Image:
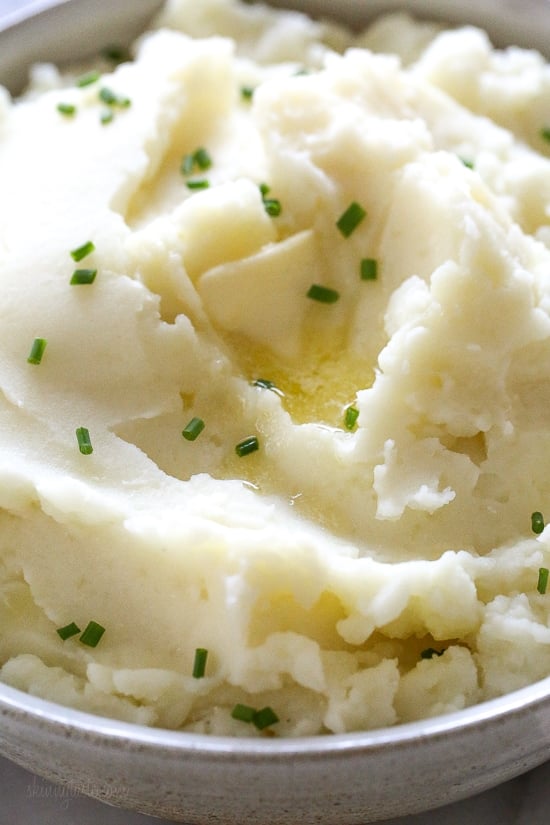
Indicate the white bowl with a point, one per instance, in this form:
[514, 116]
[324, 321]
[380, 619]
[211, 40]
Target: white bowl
[343, 779]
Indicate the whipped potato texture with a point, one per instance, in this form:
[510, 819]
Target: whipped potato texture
[275, 375]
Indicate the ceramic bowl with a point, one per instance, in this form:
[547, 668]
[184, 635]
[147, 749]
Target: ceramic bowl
[334, 780]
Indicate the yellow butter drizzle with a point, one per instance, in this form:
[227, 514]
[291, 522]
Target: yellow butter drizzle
[314, 388]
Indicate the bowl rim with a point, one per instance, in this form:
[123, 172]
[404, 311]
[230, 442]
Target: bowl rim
[34, 8]
[28, 708]
[31, 9]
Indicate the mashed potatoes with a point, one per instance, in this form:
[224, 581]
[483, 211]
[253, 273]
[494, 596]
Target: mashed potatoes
[269, 461]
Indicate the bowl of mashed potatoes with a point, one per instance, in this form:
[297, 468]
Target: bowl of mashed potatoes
[275, 399]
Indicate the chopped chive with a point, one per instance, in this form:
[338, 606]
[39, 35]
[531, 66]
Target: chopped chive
[323, 294]
[350, 219]
[67, 109]
[247, 93]
[202, 158]
[537, 522]
[542, 583]
[110, 98]
[261, 719]
[69, 630]
[187, 164]
[265, 384]
[272, 207]
[37, 351]
[107, 96]
[82, 251]
[92, 634]
[545, 133]
[84, 442]
[244, 713]
[199, 159]
[193, 429]
[430, 652]
[350, 417]
[469, 164]
[249, 445]
[200, 183]
[199, 664]
[106, 117]
[116, 54]
[83, 276]
[264, 718]
[369, 269]
[88, 78]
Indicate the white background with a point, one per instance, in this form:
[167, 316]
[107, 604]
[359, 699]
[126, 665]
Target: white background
[30, 800]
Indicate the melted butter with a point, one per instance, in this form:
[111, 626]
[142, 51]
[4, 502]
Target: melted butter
[314, 388]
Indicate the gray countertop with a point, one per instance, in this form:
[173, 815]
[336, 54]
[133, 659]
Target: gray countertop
[28, 800]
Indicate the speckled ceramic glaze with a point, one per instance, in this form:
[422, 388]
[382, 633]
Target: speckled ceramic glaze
[348, 779]
[333, 780]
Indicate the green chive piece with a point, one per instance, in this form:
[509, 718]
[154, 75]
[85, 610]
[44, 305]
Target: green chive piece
[199, 159]
[69, 630]
[323, 294]
[116, 54]
[106, 117]
[265, 384]
[261, 719]
[88, 78]
[542, 583]
[350, 219]
[244, 713]
[83, 276]
[84, 442]
[350, 417]
[107, 96]
[369, 269]
[92, 634]
[201, 183]
[430, 652]
[110, 98]
[247, 93]
[187, 164]
[202, 158]
[264, 718]
[67, 109]
[199, 664]
[37, 351]
[469, 164]
[193, 429]
[273, 207]
[249, 445]
[537, 522]
[545, 133]
[82, 251]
